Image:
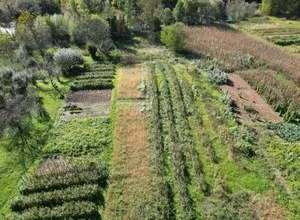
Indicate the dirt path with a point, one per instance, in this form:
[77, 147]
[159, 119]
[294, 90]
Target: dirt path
[250, 107]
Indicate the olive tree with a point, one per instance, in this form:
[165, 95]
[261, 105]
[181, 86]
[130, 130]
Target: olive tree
[68, 58]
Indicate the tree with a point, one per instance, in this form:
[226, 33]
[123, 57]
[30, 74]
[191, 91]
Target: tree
[33, 33]
[18, 102]
[174, 37]
[7, 45]
[59, 29]
[93, 29]
[68, 58]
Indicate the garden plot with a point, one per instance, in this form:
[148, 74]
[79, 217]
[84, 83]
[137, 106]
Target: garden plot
[249, 106]
[87, 103]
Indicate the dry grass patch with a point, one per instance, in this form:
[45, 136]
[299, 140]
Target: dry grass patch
[130, 194]
[129, 80]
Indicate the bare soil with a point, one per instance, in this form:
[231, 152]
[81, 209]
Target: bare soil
[247, 98]
[91, 103]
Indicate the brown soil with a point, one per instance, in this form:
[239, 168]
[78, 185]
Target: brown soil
[245, 97]
[89, 103]
[90, 96]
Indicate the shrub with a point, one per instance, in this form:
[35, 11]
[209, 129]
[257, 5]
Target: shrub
[92, 48]
[217, 76]
[68, 58]
[167, 17]
[173, 37]
[286, 131]
[240, 9]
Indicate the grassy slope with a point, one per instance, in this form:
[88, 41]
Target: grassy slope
[11, 168]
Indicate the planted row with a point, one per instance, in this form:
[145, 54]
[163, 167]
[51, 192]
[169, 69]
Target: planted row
[71, 210]
[176, 149]
[57, 197]
[283, 96]
[46, 183]
[92, 84]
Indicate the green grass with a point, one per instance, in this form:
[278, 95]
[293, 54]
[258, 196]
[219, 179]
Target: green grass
[11, 164]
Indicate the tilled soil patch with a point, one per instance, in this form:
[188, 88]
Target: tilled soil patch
[250, 107]
[87, 103]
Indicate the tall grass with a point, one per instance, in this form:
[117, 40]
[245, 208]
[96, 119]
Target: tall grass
[283, 96]
[228, 45]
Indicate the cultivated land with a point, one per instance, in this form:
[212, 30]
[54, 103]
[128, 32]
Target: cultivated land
[209, 133]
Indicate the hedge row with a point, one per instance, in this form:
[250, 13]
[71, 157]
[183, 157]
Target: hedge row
[92, 84]
[96, 76]
[57, 197]
[71, 210]
[49, 182]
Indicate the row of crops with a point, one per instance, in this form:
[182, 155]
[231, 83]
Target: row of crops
[175, 114]
[97, 76]
[64, 190]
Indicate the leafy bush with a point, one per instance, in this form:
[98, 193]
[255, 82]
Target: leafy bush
[92, 48]
[286, 131]
[173, 36]
[217, 76]
[240, 9]
[57, 197]
[71, 210]
[68, 58]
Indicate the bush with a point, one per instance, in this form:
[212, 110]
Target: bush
[68, 58]
[240, 9]
[217, 76]
[57, 197]
[173, 36]
[286, 131]
[92, 48]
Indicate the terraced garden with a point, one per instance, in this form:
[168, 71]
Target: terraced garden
[99, 120]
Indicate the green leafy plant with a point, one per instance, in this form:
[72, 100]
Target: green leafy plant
[286, 131]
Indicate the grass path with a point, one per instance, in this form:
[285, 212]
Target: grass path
[131, 194]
